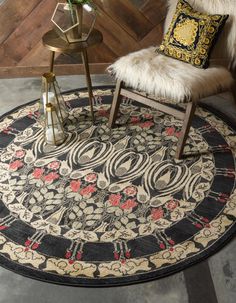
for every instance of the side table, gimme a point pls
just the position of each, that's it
(55, 43)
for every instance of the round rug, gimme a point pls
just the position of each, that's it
(113, 207)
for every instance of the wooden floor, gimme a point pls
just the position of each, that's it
(127, 25)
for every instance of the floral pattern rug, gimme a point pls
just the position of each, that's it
(113, 207)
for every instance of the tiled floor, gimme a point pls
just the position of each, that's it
(211, 281)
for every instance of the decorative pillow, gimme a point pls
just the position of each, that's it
(191, 35)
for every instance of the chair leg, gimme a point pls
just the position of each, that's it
(115, 104)
(191, 107)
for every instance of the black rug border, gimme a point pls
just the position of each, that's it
(118, 282)
(123, 281)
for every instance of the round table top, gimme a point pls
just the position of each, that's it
(55, 43)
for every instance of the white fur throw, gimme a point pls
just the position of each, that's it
(162, 76)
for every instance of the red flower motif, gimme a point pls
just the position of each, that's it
(170, 131)
(128, 254)
(177, 134)
(16, 164)
(68, 254)
(130, 191)
(88, 190)
(135, 120)
(157, 214)
(6, 130)
(75, 186)
(20, 153)
(37, 173)
(129, 204)
(103, 113)
(79, 255)
(198, 225)
(206, 220)
(54, 165)
(114, 199)
(116, 255)
(91, 178)
(162, 245)
(146, 124)
(35, 246)
(51, 177)
(148, 116)
(3, 227)
(172, 205)
(172, 242)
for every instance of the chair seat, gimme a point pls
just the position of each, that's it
(162, 76)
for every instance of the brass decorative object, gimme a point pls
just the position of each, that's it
(55, 44)
(69, 20)
(54, 132)
(51, 94)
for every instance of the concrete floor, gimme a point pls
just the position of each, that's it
(210, 281)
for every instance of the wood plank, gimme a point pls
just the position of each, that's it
(118, 40)
(23, 39)
(96, 54)
(127, 16)
(37, 71)
(154, 10)
(39, 55)
(101, 53)
(12, 13)
(153, 38)
(138, 3)
(127, 26)
(68, 59)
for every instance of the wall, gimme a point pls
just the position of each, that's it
(127, 25)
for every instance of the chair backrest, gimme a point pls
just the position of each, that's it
(224, 51)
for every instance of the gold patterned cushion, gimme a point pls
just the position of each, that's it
(191, 35)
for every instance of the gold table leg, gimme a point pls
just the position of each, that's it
(52, 61)
(89, 82)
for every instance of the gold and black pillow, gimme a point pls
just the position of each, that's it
(191, 35)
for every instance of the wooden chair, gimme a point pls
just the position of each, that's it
(145, 75)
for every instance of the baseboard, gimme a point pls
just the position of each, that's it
(35, 71)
